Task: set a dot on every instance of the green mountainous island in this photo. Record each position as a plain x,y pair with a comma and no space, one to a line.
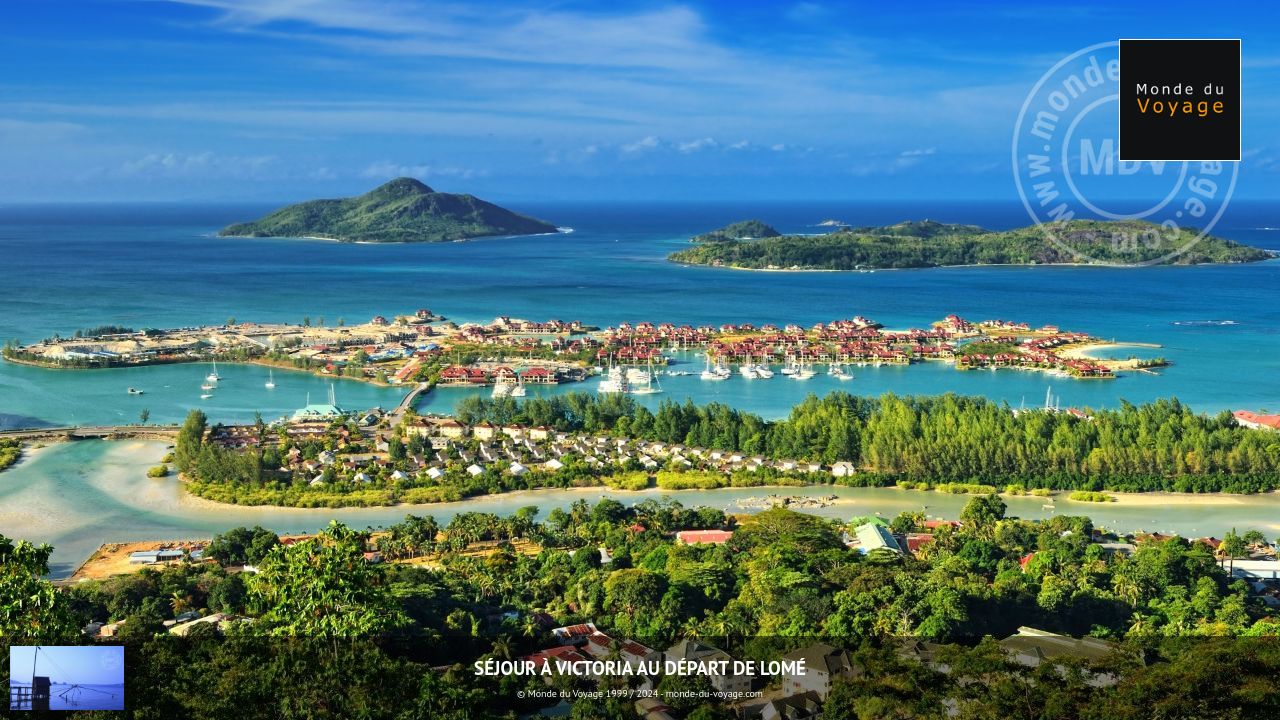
923,244
402,210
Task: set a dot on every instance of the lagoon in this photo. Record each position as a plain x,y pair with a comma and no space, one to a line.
79,495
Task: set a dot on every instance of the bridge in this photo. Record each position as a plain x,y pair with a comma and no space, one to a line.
409,399
94,432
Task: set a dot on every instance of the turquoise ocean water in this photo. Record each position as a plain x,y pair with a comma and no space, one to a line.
75,267
66,268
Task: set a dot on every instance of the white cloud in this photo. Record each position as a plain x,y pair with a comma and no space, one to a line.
696,145
890,165
199,165
644,144
672,37
740,145
385,170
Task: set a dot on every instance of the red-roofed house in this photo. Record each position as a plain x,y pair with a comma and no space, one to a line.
915,541
563,654
935,524
703,537
1257,421
570,634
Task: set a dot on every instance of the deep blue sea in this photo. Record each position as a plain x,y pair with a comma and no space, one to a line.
70,267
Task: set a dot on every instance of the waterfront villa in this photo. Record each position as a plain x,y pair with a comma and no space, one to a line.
320,411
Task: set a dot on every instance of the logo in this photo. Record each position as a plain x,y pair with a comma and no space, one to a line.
1067,167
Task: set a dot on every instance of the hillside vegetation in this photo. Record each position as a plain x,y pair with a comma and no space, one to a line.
933,244
403,210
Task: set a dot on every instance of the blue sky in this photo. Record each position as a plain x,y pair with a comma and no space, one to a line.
80,665
287,99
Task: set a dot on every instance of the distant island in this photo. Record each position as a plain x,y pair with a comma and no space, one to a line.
923,244
745,230
403,210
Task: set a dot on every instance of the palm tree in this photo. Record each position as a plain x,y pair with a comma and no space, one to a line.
179,603
502,647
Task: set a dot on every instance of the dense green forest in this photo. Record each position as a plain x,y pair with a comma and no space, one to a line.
333,636
932,244
402,210
1158,446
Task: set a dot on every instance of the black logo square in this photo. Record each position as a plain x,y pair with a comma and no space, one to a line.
1179,100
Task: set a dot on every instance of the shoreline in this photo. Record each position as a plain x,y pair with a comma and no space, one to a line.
1092,351
1275,255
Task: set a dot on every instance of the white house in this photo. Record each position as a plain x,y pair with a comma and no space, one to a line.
823,664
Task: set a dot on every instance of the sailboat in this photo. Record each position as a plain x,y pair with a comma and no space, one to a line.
213,375
271,380
614,382
649,385
802,372
518,390
719,372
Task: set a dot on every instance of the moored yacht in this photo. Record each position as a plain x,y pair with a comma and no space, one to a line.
615,382
719,372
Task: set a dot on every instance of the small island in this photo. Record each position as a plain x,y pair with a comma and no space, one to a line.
927,243
403,210
744,230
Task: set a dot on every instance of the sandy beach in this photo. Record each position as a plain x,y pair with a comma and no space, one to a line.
1099,353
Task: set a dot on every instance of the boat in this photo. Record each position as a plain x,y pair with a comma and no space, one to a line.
648,386
271,380
213,375
501,388
802,372
763,372
719,372
206,396
615,382
208,386
135,391
789,369
636,376
748,370
837,372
